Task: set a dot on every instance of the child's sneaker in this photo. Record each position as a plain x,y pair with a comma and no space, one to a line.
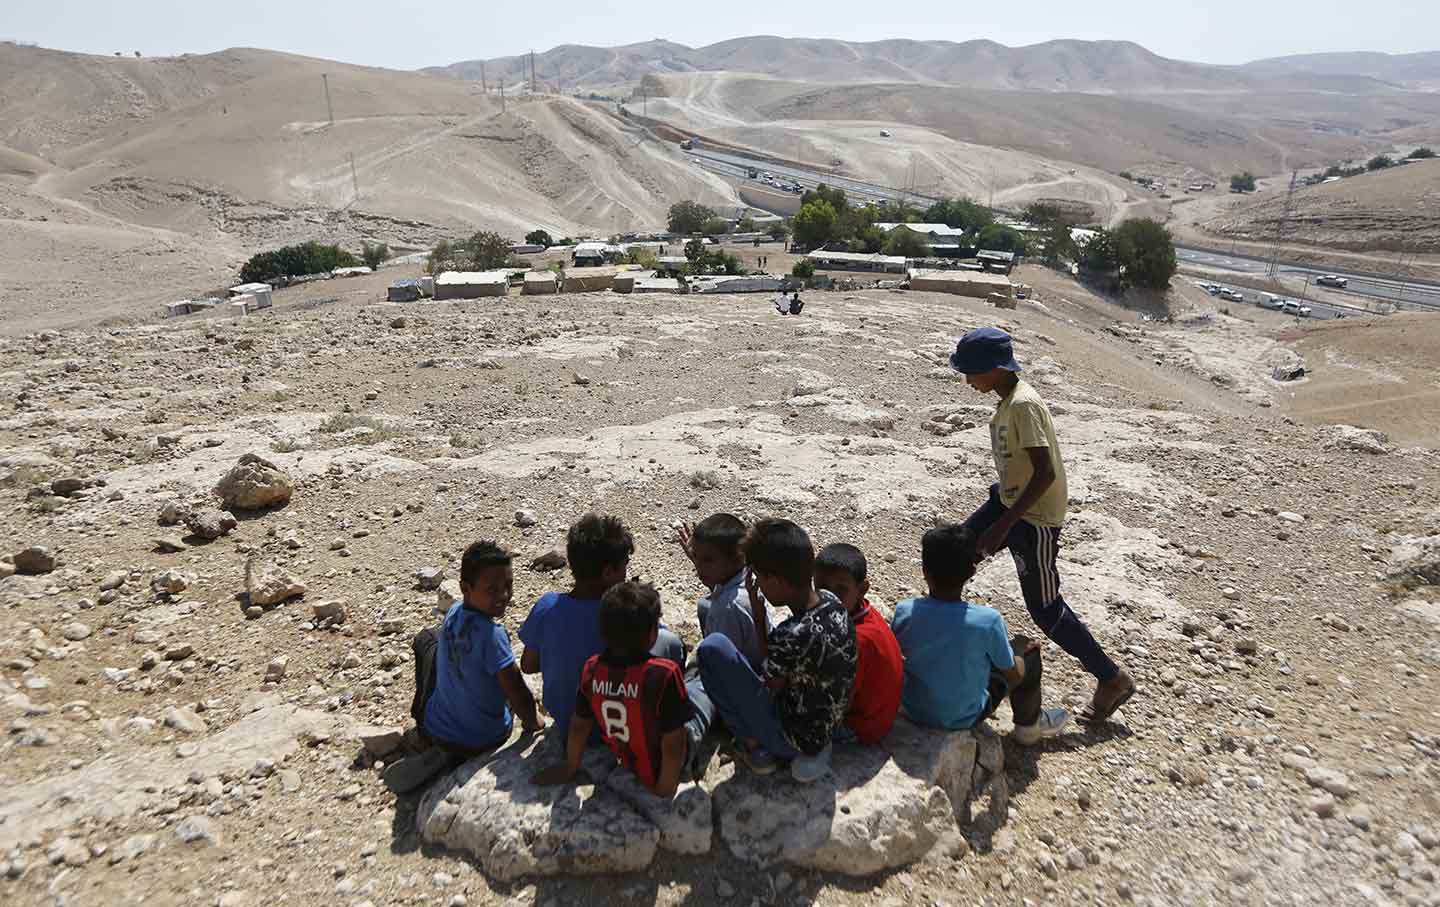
414,772
809,768
1051,723
758,760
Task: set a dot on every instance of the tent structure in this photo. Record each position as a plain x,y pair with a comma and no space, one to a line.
471,284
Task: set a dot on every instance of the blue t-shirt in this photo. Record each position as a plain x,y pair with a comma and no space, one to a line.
565,631
950,648
468,707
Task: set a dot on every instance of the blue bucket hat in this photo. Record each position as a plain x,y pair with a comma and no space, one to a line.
983,349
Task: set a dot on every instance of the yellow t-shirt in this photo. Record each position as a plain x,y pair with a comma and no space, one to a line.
1022,421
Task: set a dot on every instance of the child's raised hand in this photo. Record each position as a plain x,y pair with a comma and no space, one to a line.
685,536
752,589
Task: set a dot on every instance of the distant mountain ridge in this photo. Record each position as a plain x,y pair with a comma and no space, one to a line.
1120,67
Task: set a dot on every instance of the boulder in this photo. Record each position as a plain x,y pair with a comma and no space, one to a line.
35,560
210,524
429,578
270,585
879,807
171,513
254,483
1364,440
171,582
550,560
489,808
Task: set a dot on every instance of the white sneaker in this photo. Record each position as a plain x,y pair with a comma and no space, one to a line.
805,768
1051,723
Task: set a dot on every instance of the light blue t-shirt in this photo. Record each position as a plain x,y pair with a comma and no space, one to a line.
566,631
726,610
468,707
950,648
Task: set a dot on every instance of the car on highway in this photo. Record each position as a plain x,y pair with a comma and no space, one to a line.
884,133
1213,289
1291,307
1232,295
1333,280
1271,301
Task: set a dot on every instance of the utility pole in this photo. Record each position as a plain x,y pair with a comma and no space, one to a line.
1274,268
502,94
532,72
354,176
484,89
325,78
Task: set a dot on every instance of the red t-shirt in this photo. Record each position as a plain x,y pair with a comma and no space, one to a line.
879,677
634,701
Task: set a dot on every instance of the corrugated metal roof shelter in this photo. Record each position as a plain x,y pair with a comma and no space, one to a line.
471,284
657,285
997,261
858,261
404,290
589,280
962,283
747,283
936,230
541,283
239,289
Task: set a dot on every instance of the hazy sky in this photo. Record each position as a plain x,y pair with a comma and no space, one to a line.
381,33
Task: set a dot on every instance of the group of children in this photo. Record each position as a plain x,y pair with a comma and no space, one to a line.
834,670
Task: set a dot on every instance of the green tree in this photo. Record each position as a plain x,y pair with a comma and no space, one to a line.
374,255
440,256
714,226
896,211
1098,254
1379,162
1242,182
778,231
963,213
1058,243
539,238
688,217
907,243
295,261
815,224
804,269
1126,175
1000,238
488,250
870,239
1420,154
745,225
1043,214
1145,252
823,193
694,249
715,261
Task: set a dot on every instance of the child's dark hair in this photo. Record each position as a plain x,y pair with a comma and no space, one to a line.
948,555
480,557
722,530
629,613
596,542
842,556
780,548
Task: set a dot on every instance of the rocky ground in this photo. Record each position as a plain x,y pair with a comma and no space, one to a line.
185,677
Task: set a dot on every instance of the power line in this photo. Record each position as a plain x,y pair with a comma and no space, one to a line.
1281,227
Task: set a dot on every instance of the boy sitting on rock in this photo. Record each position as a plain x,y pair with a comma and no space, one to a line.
562,630
468,685
713,546
787,705
840,569
652,721
959,660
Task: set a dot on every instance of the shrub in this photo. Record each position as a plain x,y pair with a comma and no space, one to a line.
804,269
1242,182
963,213
488,250
1379,162
779,231
1420,154
1000,238
539,238
815,224
907,243
714,226
688,217
1146,253
295,261
745,225
374,255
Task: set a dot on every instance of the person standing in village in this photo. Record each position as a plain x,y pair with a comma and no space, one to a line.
1026,508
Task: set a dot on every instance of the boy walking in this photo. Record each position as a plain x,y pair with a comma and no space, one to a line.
786,706
959,661
1026,508
468,687
652,721
840,569
713,546
562,630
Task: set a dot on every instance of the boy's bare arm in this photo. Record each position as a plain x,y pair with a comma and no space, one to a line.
1013,676
530,661
759,615
574,749
672,760
1040,481
522,701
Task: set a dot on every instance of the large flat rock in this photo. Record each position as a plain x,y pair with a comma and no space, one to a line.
879,808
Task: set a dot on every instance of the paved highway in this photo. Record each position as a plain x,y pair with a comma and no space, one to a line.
1422,294
738,165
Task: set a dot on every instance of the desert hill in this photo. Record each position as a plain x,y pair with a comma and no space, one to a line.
1062,65
1418,70
1387,210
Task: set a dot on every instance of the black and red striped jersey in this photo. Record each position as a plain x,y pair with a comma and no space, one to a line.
635,701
